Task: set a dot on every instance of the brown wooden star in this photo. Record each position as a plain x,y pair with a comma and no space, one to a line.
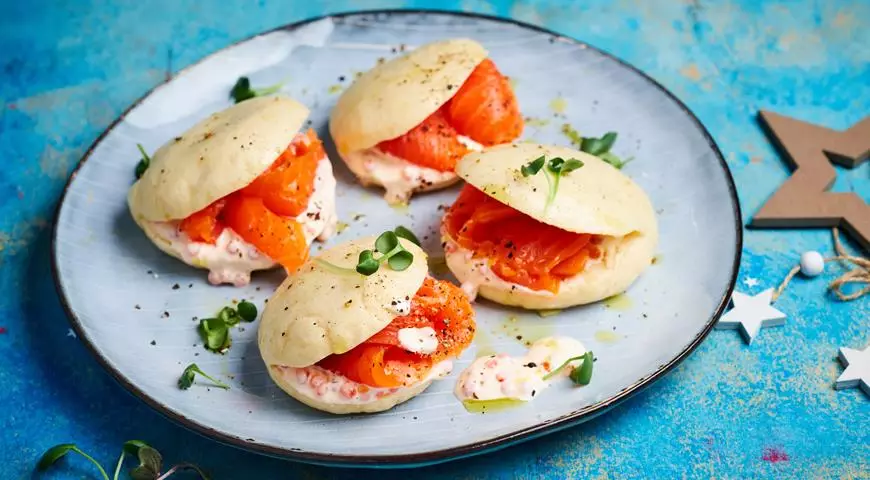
803,200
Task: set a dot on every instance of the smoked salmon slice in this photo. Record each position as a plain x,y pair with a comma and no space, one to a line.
263,213
520,249
434,144
287,185
381,361
483,109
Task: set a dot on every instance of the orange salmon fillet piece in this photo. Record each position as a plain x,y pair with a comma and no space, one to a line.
520,249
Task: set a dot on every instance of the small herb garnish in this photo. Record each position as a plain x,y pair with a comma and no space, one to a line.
600,147
555,169
144,163
149,468
390,249
242,90
580,375
187,377
215,331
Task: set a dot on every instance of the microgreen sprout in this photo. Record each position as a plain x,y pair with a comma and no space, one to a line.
188,376
600,147
242,90
553,172
215,332
580,375
390,250
149,468
144,163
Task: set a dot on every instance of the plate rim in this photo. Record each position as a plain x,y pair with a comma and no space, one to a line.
435,456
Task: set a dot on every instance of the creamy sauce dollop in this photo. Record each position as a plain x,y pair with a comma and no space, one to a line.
231,259
399,177
502,377
418,340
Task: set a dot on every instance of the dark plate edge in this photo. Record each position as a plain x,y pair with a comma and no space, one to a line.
438,456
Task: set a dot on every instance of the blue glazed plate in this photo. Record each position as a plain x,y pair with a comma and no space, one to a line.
134,307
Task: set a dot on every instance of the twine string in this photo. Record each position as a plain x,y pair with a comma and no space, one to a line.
858,275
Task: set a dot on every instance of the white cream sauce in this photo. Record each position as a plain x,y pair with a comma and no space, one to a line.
399,177
325,386
418,340
231,259
501,376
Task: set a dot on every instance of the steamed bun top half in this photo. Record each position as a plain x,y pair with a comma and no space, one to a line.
318,312
594,199
219,155
394,97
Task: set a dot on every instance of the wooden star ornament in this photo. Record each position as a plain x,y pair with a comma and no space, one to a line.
803,200
857,372
751,313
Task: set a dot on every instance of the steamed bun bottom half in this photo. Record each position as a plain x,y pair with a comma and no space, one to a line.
465,104
514,258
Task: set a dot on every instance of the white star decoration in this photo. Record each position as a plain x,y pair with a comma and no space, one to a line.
751,313
750,282
857,372
71,333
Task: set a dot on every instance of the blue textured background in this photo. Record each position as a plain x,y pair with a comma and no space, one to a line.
67,69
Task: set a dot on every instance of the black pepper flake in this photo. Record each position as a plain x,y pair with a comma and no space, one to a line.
519,337
153,342
533,393
341,78
165,314
474,396
531,365
176,286
189,285
137,307
286,308
283,334
150,272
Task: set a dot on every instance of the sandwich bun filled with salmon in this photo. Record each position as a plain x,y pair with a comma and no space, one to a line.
240,191
515,239
343,342
405,123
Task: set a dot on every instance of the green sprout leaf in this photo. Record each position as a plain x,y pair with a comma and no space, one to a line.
533,167
367,264
597,146
188,376
143,473
555,165
144,163
612,159
229,316
570,165
407,234
386,242
582,375
247,310
151,458
215,334
131,447
242,90
54,454
401,260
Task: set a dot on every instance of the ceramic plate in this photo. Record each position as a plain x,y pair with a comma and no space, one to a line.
135,307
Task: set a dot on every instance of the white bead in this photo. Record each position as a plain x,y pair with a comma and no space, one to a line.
812,263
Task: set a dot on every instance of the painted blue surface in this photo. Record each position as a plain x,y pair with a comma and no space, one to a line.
69,68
